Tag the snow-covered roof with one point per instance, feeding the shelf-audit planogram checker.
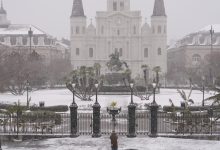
(62, 44)
(215, 27)
(16, 29)
(200, 37)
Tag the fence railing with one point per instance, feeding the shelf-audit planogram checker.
(60, 124)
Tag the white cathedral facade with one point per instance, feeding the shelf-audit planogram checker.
(119, 29)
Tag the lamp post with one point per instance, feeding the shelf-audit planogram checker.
(210, 69)
(27, 88)
(73, 87)
(0, 143)
(132, 86)
(96, 93)
(154, 91)
(153, 112)
(203, 91)
(30, 34)
(73, 114)
(131, 116)
(96, 116)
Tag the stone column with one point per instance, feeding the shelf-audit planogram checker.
(131, 121)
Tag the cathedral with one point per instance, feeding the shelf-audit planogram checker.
(119, 29)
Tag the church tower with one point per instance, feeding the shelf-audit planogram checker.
(77, 32)
(159, 35)
(4, 22)
(118, 5)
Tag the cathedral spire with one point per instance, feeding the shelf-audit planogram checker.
(2, 10)
(159, 8)
(78, 10)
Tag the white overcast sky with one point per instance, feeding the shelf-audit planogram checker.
(52, 16)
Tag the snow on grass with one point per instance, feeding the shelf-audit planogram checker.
(103, 143)
(64, 97)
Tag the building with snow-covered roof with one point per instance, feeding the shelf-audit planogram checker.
(17, 38)
(193, 50)
(119, 29)
(194, 47)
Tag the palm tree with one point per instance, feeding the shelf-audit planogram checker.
(84, 78)
(145, 69)
(97, 68)
(127, 75)
(157, 69)
(216, 98)
(186, 98)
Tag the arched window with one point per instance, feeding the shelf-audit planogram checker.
(159, 30)
(120, 52)
(116, 50)
(24, 40)
(90, 52)
(153, 29)
(145, 52)
(196, 58)
(77, 30)
(35, 40)
(118, 32)
(115, 6)
(134, 30)
(77, 51)
(159, 52)
(13, 40)
(122, 5)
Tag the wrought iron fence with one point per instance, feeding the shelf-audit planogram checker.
(27, 124)
(188, 123)
(59, 124)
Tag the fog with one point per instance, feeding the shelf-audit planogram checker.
(184, 16)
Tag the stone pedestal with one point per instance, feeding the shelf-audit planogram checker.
(73, 120)
(153, 123)
(131, 121)
(96, 121)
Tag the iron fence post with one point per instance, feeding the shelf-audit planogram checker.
(210, 112)
(73, 120)
(131, 120)
(153, 123)
(96, 121)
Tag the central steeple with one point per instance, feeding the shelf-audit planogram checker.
(78, 10)
(118, 5)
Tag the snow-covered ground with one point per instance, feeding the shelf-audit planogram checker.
(64, 97)
(103, 143)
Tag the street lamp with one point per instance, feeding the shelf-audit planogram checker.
(73, 88)
(96, 93)
(27, 88)
(210, 69)
(154, 90)
(131, 86)
(203, 91)
(30, 34)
